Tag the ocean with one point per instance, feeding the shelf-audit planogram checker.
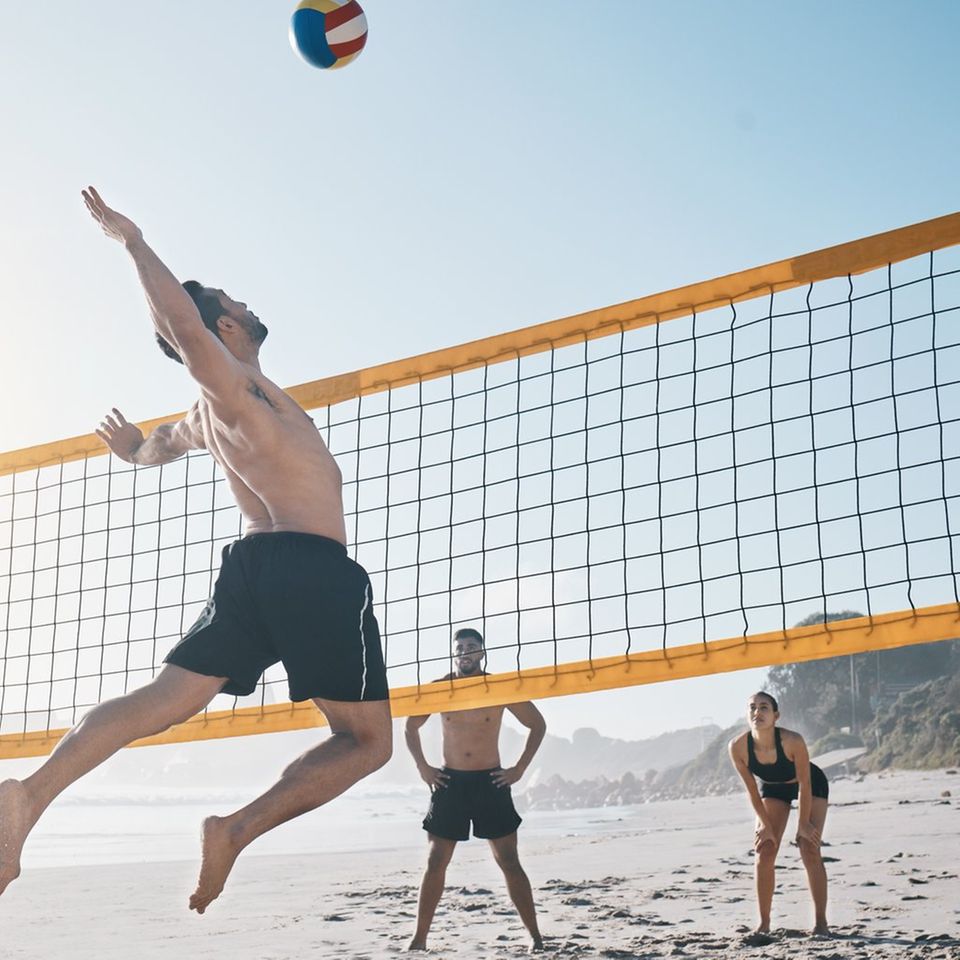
(151, 824)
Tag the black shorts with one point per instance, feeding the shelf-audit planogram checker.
(788, 792)
(296, 598)
(471, 795)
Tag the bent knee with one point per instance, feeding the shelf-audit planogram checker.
(380, 752)
(377, 746)
(767, 853)
(810, 852)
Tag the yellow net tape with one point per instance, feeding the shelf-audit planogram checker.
(615, 499)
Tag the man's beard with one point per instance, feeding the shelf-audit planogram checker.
(256, 331)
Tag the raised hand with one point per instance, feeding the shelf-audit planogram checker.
(123, 438)
(115, 225)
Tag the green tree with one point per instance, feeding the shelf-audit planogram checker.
(815, 696)
(821, 696)
(921, 730)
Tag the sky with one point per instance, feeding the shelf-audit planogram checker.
(472, 172)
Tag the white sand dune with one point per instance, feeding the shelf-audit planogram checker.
(676, 882)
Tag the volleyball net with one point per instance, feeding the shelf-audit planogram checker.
(655, 490)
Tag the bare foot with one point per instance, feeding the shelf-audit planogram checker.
(536, 945)
(219, 851)
(821, 930)
(416, 944)
(763, 928)
(15, 823)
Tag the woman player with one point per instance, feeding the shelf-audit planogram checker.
(779, 759)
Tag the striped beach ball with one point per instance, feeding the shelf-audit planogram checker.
(328, 33)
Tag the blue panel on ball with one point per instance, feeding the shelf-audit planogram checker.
(308, 31)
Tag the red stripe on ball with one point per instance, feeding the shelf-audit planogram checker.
(342, 15)
(347, 47)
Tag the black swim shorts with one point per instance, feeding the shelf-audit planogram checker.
(296, 598)
(788, 792)
(471, 795)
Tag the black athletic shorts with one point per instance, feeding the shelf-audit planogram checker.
(788, 792)
(296, 598)
(471, 795)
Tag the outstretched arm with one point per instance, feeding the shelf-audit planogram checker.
(533, 720)
(164, 444)
(174, 313)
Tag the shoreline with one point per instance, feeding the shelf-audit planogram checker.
(663, 879)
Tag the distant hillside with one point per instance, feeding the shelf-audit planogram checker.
(587, 755)
(256, 761)
(820, 697)
(708, 773)
(590, 754)
(920, 730)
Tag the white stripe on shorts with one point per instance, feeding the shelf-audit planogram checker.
(363, 645)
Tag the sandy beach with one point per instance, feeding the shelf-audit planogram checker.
(670, 879)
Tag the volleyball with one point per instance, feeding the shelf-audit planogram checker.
(328, 33)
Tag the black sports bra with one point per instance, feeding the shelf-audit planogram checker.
(782, 770)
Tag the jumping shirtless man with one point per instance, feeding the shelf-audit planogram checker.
(286, 592)
(472, 785)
